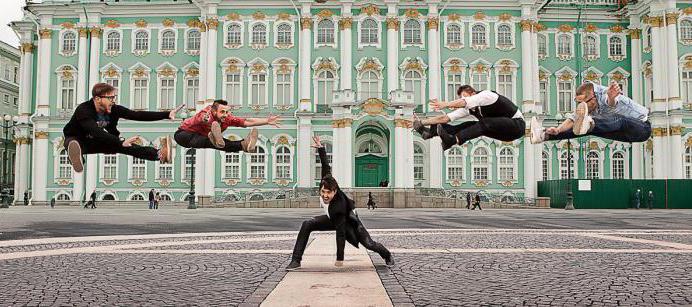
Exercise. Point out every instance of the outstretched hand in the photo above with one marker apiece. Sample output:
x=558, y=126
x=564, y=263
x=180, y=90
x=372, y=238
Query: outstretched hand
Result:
x=130, y=141
x=318, y=143
x=613, y=92
x=438, y=105
x=175, y=111
x=274, y=120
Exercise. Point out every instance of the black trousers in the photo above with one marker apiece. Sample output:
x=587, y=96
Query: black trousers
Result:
x=322, y=223
x=93, y=146
x=189, y=139
x=499, y=128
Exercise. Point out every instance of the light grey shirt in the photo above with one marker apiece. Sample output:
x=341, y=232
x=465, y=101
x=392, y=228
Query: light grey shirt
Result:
x=624, y=106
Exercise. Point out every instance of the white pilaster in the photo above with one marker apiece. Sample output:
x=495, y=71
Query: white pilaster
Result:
x=392, y=47
x=91, y=172
x=27, y=48
x=671, y=54
x=304, y=52
x=637, y=92
x=403, y=154
x=534, y=73
x=433, y=51
x=527, y=69
x=345, y=25
x=44, y=73
x=530, y=155
x=305, y=154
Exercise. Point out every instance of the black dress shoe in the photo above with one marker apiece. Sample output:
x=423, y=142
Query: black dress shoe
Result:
x=293, y=265
x=448, y=140
x=389, y=261
x=424, y=131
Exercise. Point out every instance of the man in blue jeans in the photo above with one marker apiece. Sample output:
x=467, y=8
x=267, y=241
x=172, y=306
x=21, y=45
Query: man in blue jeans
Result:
x=603, y=112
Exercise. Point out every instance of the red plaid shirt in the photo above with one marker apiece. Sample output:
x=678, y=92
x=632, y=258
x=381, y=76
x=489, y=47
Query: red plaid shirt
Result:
x=197, y=124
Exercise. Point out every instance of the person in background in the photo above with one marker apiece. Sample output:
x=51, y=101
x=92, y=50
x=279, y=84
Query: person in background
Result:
x=151, y=198
x=477, y=203
x=637, y=198
x=93, y=200
x=371, y=202
x=651, y=200
x=52, y=202
x=157, y=199
x=26, y=198
x=468, y=200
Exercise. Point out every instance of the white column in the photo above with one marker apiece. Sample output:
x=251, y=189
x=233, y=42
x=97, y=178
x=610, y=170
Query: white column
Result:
x=403, y=154
x=22, y=173
x=42, y=109
x=527, y=67
x=304, y=51
x=205, y=176
x=345, y=25
x=92, y=160
x=530, y=155
x=672, y=66
x=342, y=159
x=44, y=73
x=305, y=153
x=659, y=64
x=39, y=168
x=534, y=72
x=637, y=93
x=202, y=67
x=392, y=48
x=78, y=183
x=675, y=139
x=660, y=153
x=433, y=51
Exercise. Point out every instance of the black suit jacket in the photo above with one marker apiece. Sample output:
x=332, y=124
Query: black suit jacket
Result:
x=341, y=212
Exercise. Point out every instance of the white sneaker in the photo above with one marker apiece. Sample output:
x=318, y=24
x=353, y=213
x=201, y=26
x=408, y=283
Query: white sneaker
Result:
x=582, y=120
x=537, y=133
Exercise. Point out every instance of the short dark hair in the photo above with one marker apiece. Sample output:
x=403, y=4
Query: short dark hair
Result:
x=329, y=183
x=217, y=102
x=101, y=89
x=465, y=88
x=584, y=88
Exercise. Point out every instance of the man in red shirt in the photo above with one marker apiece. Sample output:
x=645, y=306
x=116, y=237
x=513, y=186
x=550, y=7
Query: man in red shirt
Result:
x=205, y=129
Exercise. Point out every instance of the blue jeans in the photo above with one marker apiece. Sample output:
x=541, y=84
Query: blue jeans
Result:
x=151, y=204
x=613, y=127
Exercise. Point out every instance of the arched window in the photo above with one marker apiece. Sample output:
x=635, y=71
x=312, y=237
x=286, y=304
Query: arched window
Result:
x=545, y=166
x=108, y=197
x=168, y=40
x=589, y=45
x=453, y=35
x=369, y=85
x=283, y=163
x=564, y=164
x=418, y=163
x=325, y=87
x=63, y=197
x=506, y=165
x=256, y=197
x=564, y=45
x=318, y=163
x=370, y=147
x=259, y=34
x=413, y=82
x=688, y=162
x=615, y=46
x=480, y=164
x=233, y=34
x=369, y=32
x=141, y=41
x=478, y=35
x=542, y=45
x=231, y=165
x=686, y=30
x=325, y=31
x=618, y=165
x=412, y=34
x=190, y=160
x=165, y=197
x=137, y=197
x=504, y=36
x=592, y=165
x=257, y=164
x=69, y=42
x=64, y=166
x=113, y=41
x=193, y=40
x=284, y=35
x=455, y=163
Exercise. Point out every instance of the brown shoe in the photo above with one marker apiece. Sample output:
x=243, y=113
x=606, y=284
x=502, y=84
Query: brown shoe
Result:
x=249, y=142
x=74, y=154
x=166, y=150
x=215, y=136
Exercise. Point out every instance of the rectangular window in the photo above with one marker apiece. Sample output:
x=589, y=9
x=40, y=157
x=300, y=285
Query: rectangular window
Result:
x=114, y=83
x=283, y=89
x=504, y=85
x=68, y=94
x=564, y=96
x=167, y=94
x=544, y=169
x=454, y=81
x=110, y=167
x=190, y=160
x=7, y=99
x=166, y=172
x=65, y=168
x=479, y=81
x=257, y=87
x=543, y=90
x=480, y=173
x=140, y=94
x=192, y=92
x=257, y=165
x=232, y=167
x=686, y=89
x=233, y=89
x=139, y=168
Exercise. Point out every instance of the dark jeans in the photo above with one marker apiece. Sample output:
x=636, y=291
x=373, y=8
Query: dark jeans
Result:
x=499, y=128
x=322, y=223
x=151, y=204
x=194, y=140
x=93, y=146
x=613, y=127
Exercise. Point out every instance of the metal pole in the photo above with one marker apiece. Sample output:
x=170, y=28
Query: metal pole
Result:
x=569, y=205
x=3, y=192
x=191, y=196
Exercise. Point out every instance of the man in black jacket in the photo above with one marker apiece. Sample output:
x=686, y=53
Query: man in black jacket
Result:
x=339, y=215
x=93, y=129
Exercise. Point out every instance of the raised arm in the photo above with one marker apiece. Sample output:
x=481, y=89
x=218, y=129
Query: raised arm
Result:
x=144, y=116
x=326, y=169
x=270, y=120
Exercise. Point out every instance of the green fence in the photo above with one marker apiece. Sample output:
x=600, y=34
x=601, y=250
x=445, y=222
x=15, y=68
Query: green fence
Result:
x=618, y=193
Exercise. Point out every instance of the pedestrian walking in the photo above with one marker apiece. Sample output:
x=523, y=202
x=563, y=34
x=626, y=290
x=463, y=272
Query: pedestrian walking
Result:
x=468, y=200
x=26, y=198
x=371, y=202
x=651, y=200
x=477, y=203
x=157, y=199
x=93, y=200
x=637, y=198
x=52, y=202
x=152, y=198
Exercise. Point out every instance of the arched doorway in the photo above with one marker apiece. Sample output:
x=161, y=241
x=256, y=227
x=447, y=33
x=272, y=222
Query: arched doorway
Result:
x=372, y=158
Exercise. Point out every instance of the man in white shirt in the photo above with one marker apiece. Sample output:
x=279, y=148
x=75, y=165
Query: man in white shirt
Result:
x=497, y=117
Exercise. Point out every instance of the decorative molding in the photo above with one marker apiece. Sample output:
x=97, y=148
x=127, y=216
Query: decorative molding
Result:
x=659, y=132
x=433, y=23
x=507, y=183
x=257, y=181
x=672, y=18
x=212, y=23
x=676, y=130
x=617, y=29
x=67, y=25
x=283, y=16
x=141, y=23
x=591, y=28
x=112, y=24
x=342, y=123
x=41, y=135
x=66, y=72
x=192, y=72
x=403, y=123
x=480, y=183
x=168, y=22
x=454, y=17
x=505, y=17
x=26, y=47
x=345, y=23
x=526, y=25
x=392, y=23
x=305, y=23
x=370, y=10
x=45, y=33
x=235, y=16
x=195, y=23
x=655, y=22
x=635, y=33
x=259, y=15
x=565, y=28
x=455, y=66
x=233, y=65
x=231, y=182
x=370, y=63
x=479, y=15
x=96, y=32
x=325, y=14
x=687, y=10
x=83, y=32
x=539, y=27
x=111, y=72
x=412, y=14
x=373, y=106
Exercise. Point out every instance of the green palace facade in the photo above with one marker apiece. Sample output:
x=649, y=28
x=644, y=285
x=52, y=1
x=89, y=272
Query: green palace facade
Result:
x=354, y=72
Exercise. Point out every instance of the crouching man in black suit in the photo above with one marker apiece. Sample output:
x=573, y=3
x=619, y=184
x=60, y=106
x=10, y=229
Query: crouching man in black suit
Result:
x=339, y=215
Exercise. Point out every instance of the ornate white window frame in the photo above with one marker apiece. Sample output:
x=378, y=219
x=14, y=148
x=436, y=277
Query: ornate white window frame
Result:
x=378, y=21
x=283, y=66
x=287, y=141
x=462, y=29
x=157, y=165
x=112, y=72
x=102, y=169
x=593, y=74
x=108, y=192
x=292, y=27
x=226, y=24
x=453, y=66
x=251, y=25
x=132, y=195
x=514, y=147
x=230, y=181
x=130, y=165
x=418, y=65
x=61, y=42
x=546, y=37
x=549, y=166
x=565, y=74
x=111, y=53
x=480, y=67
x=507, y=66
x=335, y=25
x=597, y=44
x=321, y=64
x=58, y=146
x=233, y=65
x=258, y=66
x=175, y=39
x=66, y=72
x=183, y=163
x=562, y=149
x=426, y=167
x=489, y=166
x=544, y=76
x=463, y=151
x=620, y=76
x=486, y=26
x=624, y=149
x=369, y=64
x=623, y=40
x=188, y=51
x=421, y=26
x=133, y=41
x=681, y=40
x=166, y=71
x=512, y=35
x=564, y=57
x=191, y=72
x=259, y=180
x=139, y=71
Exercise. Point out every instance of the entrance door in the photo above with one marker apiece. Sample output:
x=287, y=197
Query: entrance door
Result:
x=371, y=170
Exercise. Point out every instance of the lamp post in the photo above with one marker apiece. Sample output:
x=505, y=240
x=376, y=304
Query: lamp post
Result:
x=8, y=121
x=192, y=154
x=570, y=199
